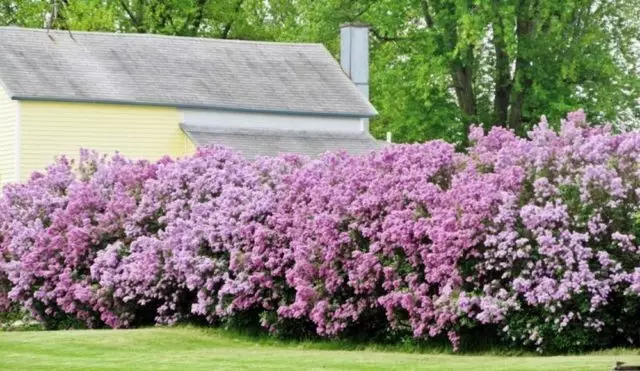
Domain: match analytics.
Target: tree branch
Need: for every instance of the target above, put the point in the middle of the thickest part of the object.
(135, 21)
(227, 27)
(199, 15)
(427, 13)
(384, 38)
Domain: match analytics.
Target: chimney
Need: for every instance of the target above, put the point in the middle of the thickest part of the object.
(354, 54)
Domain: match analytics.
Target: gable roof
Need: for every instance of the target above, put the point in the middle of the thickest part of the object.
(264, 142)
(176, 71)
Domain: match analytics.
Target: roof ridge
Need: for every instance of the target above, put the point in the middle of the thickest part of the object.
(159, 36)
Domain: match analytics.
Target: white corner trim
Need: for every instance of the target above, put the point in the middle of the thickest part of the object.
(17, 147)
(185, 136)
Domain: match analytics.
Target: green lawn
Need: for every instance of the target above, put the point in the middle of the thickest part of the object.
(197, 349)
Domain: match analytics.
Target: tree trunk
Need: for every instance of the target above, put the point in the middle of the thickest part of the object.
(462, 75)
(523, 81)
(461, 66)
(503, 70)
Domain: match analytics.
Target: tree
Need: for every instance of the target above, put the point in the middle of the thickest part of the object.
(502, 62)
(239, 19)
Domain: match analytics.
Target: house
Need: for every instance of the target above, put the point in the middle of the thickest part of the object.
(149, 95)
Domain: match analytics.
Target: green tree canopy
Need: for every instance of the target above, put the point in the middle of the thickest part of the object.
(439, 65)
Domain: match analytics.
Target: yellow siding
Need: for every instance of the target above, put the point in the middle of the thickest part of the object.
(49, 129)
(8, 113)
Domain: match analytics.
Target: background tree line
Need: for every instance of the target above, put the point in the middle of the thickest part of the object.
(437, 65)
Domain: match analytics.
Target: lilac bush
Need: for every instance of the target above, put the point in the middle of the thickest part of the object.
(533, 239)
(353, 224)
(55, 224)
(386, 233)
(559, 261)
(198, 238)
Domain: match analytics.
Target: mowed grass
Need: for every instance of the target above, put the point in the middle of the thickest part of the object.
(201, 349)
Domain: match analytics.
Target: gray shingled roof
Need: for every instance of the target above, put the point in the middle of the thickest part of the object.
(263, 142)
(176, 71)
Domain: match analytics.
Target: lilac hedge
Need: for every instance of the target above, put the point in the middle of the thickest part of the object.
(533, 240)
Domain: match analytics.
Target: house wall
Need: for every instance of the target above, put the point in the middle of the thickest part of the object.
(250, 120)
(8, 144)
(49, 129)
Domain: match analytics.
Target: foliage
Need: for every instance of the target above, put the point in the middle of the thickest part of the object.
(16, 319)
(239, 19)
(492, 62)
(437, 66)
(533, 240)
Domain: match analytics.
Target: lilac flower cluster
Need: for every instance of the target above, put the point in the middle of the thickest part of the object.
(535, 236)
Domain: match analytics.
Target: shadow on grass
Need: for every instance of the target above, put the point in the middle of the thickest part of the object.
(362, 336)
(478, 344)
